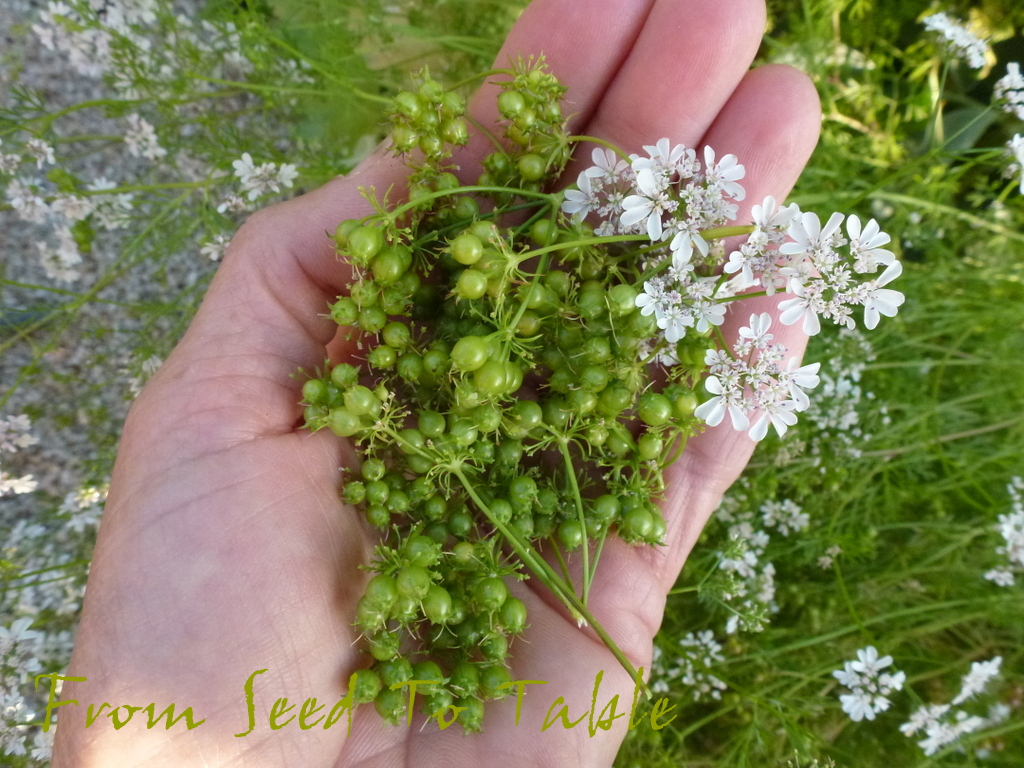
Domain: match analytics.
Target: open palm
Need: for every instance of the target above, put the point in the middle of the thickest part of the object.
(225, 549)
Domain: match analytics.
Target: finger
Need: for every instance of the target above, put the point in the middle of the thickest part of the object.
(685, 65)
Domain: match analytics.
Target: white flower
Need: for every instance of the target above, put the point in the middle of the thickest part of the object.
(647, 208)
(792, 310)
(958, 40)
(23, 197)
(16, 485)
(1010, 90)
(869, 686)
(1015, 147)
(977, 680)
(60, 263)
(866, 244)
(882, 301)
(14, 433)
(580, 201)
(214, 249)
(41, 151)
(725, 174)
(141, 139)
(258, 180)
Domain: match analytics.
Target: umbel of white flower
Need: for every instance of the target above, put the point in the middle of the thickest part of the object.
(869, 685)
(676, 200)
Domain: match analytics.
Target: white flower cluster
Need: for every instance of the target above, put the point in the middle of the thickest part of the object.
(14, 436)
(1015, 151)
(139, 370)
(26, 198)
(1009, 90)
(943, 725)
(1011, 528)
(673, 198)
(752, 380)
(84, 507)
(258, 180)
(749, 590)
(17, 663)
(692, 668)
(959, 41)
(869, 686)
(141, 139)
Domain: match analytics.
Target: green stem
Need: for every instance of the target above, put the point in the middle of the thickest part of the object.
(606, 144)
(397, 212)
(549, 578)
(570, 473)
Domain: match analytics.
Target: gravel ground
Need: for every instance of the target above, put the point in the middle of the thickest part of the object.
(78, 393)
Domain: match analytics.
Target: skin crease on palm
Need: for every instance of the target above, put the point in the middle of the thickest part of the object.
(224, 547)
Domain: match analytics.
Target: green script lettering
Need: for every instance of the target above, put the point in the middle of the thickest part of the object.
(250, 707)
(51, 701)
(520, 690)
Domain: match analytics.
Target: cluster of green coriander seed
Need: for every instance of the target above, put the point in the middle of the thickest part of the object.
(502, 398)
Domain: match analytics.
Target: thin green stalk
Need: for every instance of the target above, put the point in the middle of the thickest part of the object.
(543, 571)
(570, 473)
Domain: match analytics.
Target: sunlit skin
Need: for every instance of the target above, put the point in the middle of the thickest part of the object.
(224, 547)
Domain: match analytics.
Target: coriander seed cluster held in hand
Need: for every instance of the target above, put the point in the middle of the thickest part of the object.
(528, 364)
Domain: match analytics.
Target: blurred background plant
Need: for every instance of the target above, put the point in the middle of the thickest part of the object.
(138, 134)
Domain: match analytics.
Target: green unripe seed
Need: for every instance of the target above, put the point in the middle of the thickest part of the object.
(382, 590)
(532, 167)
(465, 679)
(471, 285)
(372, 319)
(394, 671)
(343, 422)
(408, 104)
(650, 447)
(345, 311)
(384, 645)
(373, 469)
(354, 492)
(622, 300)
(343, 230)
(637, 523)
(437, 605)
(685, 405)
(490, 592)
(494, 648)
(470, 353)
(431, 424)
(390, 705)
(362, 402)
(367, 686)
(467, 248)
(492, 679)
(543, 232)
(397, 335)
(606, 508)
(344, 375)
(570, 533)
(314, 391)
(512, 615)
(511, 103)
(454, 131)
(413, 582)
(654, 409)
(382, 357)
(410, 367)
(365, 242)
(377, 493)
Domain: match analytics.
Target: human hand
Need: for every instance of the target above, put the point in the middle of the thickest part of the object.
(225, 549)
